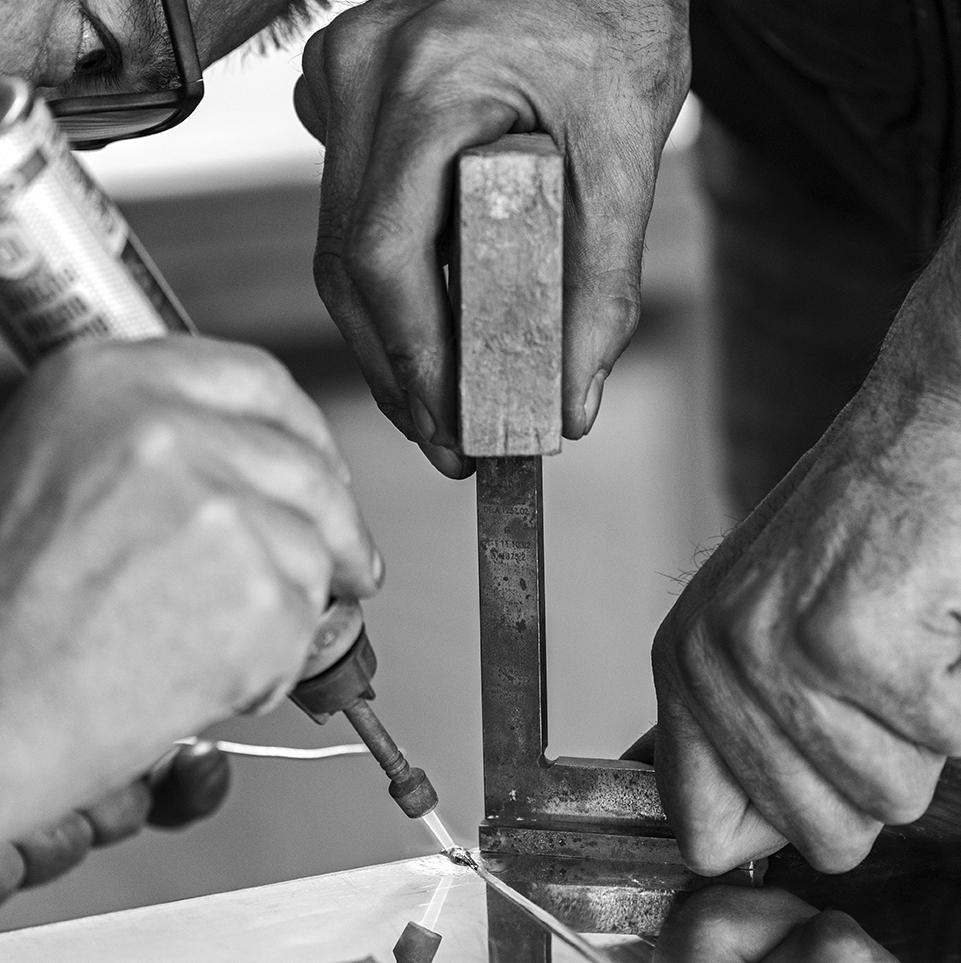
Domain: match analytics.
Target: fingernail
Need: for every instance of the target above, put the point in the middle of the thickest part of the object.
(423, 420)
(592, 403)
(447, 462)
(378, 569)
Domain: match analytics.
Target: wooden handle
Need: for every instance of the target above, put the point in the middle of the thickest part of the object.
(506, 285)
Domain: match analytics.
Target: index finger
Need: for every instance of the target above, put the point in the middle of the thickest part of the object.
(716, 825)
(400, 217)
(224, 377)
(342, 72)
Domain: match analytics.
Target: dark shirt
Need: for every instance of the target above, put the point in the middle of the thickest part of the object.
(859, 97)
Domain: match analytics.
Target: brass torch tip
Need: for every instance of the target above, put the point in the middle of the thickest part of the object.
(414, 793)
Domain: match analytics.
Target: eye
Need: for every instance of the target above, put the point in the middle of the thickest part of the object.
(94, 62)
(99, 54)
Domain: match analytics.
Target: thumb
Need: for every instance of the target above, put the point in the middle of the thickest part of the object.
(610, 190)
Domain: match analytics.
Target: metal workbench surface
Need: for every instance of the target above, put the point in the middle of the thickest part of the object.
(903, 899)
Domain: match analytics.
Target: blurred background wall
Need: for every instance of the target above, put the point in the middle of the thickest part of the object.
(227, 205)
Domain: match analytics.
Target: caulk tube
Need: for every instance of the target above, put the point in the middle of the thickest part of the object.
(70, 267)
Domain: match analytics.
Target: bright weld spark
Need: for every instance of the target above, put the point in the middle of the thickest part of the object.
(280, 752)
(438, 830)
(460, 857)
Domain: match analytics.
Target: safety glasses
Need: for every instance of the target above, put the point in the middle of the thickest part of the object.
(94, 121)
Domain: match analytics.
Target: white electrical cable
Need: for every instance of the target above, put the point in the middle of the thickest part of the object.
(279, 752)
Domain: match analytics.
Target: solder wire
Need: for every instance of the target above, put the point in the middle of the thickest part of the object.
(279, 752)
(462, 857)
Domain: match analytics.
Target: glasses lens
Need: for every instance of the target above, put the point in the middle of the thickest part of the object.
(137, 75)
(115, 124)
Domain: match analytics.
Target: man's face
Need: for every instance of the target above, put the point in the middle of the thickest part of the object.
(108, 46)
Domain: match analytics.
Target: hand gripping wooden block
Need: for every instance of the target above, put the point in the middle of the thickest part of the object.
(507, 291)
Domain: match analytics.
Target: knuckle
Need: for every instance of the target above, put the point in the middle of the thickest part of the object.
(688, 648)
(708, 917)
(694, 659)
(663, 645)
(328, 266)
(313, 59)
(411, 363)
(840, 853)
(343, 532)
(903, 809)
(316, 482)
(739, 626)
(667, 638)
(155, 441)
(375, 250)
(736, 629)
(340, 50)
(618, 314)
(935, 710)
(670, 85)
(831, 637)
(311, 108)
(121, 815)
(324, 432)
(264, 593)
(219, 513)
(745, 632)
(713, 905)
(422, 41)
(50, 852)
(836, 937)
(252, 373)
(708, 847)
(240, 563)
(261, 368)
(623, 315)
(908, 798)
(707, 855)
(946, 735)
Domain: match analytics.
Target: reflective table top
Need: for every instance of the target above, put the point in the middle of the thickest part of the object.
(901, 904)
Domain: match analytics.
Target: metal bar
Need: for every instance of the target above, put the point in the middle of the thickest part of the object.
(506, 282)
(510, 540)
(521, 786)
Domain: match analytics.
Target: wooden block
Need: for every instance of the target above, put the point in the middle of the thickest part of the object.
(507, 291)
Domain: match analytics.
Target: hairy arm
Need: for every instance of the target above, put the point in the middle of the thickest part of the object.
(808, 677)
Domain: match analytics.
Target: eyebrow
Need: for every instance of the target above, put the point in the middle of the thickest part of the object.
(289, 24)
(150, 47)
